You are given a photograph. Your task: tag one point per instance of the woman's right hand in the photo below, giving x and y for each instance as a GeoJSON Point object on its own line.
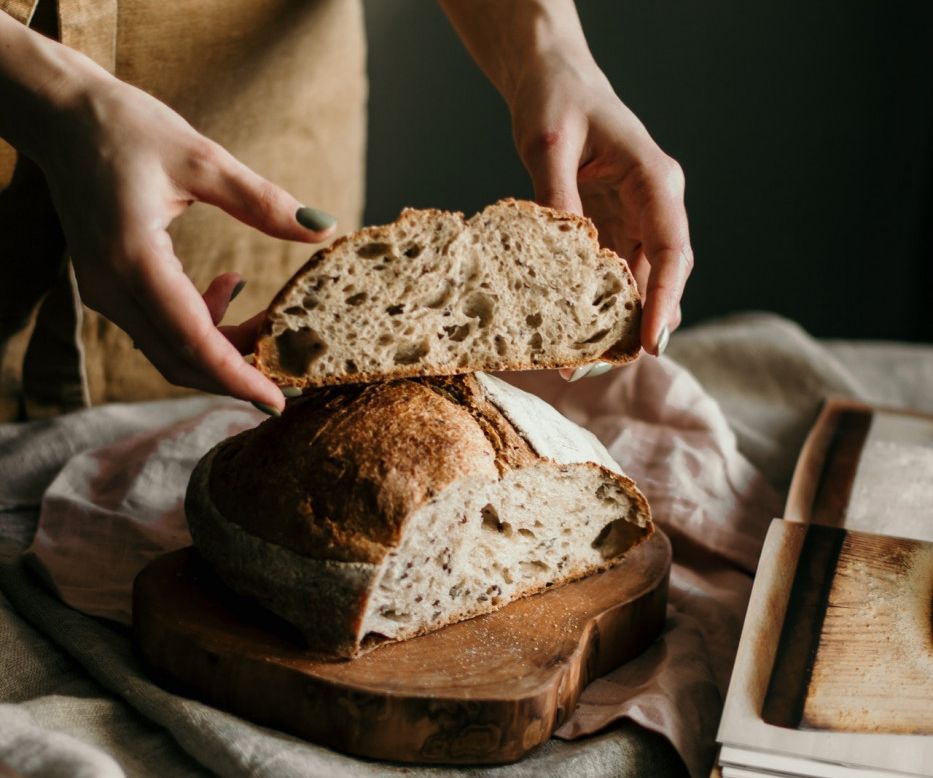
{"type": "Point", "coordinates": [120, 166]}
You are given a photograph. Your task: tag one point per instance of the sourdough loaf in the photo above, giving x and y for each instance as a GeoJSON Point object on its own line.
{"type": "Point", "coordinates": [517, 286]}
{"type": "Point", "coordinates": [371, 513]}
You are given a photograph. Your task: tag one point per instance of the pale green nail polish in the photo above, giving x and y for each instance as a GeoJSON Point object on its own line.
{"type": "Point", "coordinates": [580, 372]}
{"type": "Point", "coordinates": [291, 391]}
{"type": "Point", "coordinates": [314, 218]}
{"type": "Point", "coordinates": [664, 337]}
{"type": "Point", "coordinates": [268, 409]}
{"type": "Point", "coordinates": [599, 368]}
{"type": "Point", "coordinates": [237, 289]}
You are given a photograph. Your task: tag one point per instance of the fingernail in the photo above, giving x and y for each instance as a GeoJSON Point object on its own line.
{"type": "Point", "coordinates": [291, 391]}
{"type": "Point", "coordinates": [598, 368]}
{"type": "Point", "coordinates": [314, 218]}
{"type": "Point", "coordinates": [664, 337]}
{"type": "Point", "coordinates": [237, 289]}
{"type": "Point", "coordinates": [581, 372]}
{"type": "Point", "coordinates": [250, 359]}
{"type": "Point", "coordinates": [268, 409]}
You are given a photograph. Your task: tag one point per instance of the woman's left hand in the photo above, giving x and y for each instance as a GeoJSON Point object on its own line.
{"type": "Point", "coordinates": [588, 153]}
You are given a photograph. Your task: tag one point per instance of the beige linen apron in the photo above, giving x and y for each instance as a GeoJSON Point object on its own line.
{"type": "Point", "coordinates": [280, 83]}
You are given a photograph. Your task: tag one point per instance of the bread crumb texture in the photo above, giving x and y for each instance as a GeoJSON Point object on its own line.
{"type": "Point", "coordinates": [517, 286]}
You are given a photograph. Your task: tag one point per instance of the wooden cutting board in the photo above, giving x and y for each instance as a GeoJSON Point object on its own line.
{"type": "Point", "coordinates": [486, 690]}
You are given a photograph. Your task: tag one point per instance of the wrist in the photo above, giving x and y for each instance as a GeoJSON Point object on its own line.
{"type": "Point", "coordinates": [43, 83]}
{"type": "Point", "coordinates": [514, 41]}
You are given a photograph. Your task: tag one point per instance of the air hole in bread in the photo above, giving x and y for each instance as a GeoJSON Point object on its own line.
{"type": "Point", "coordinates": [502, 346]}
{"type": "Point", "coordinates": [309, 303]}
{"type": "Point", "coordinates": [595, 337]}
{"type": "Point", "coordinates": [373, 250]}
{"type": "Point", "coordinates": [532, 568]}
{"type": "Point", "coordinates": [534, 320]}
{"type": "Point", "coordinates": [395, 310]}
{"type": "Point", "coordinates": [480, 306]}
{"type": "Point", "coordinates": [440, 298]}
{"type": "Point", "coordinates": [295, 310]}
{"type": "Point", "coordinates": [629, 305]}
{"type": "Point", "coordinates": [564, 227]}
{"type": "Point", "coordinates": [351, 366]}
{"type": "Point", "coordinates": [536, 341]}
{"type": "Point", "coordinates": [525, 532]}
{"type": "Point", "coordinates": [357, 299]}
{"type": "Point", "coordinates": [615, 537]}
{"type": "Point", "coordinates": [384, 339]}
{"type": "Point", "coordinates": [299, 349]}
{"type": "Point", "coordinates": [413, 251]}
{"type": "Point", "coordinates": [609, 285]}
{"type": "Point", "coordinates": [491, 521]}
{"type": "Point", "coordinates": [409, 353]}
{"type": "Point", "coordinates": [457, 332]}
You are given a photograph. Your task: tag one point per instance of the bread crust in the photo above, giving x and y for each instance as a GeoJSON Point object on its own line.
{"type": "Point", "coordinates": [624, 350]}
{"type": "Point", "coordinates": [300, 512]}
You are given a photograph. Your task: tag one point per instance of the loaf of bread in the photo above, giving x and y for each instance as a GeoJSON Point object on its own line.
{"type": "Point", "coordinates": [373, 513]}
{"type": "Point", "coordinates": [515, 287]}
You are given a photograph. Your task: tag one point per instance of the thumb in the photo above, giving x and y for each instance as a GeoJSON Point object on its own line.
{"type": "Point", "coordinates": [553, 162]}
{"type": "Point", "coordinates": [247, 196]}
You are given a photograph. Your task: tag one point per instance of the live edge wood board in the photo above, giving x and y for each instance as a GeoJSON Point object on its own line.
{"type": "Point", "coordinates": [486, 690]}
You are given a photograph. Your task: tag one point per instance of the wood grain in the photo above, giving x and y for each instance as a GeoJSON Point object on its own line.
{"type": "Point", "coordinates": [856, 647]}
{"type": "Point", "coordinates": [487, 690]}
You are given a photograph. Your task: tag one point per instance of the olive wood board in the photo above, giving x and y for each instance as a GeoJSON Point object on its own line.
{"type": "Point", "coordinates": [486, 690]}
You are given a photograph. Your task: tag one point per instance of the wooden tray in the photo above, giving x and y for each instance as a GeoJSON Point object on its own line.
{"type": "Point", "coordinates": [486, 690]}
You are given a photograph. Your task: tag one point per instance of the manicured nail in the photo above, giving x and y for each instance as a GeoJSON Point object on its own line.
{"type": "Point", "coordinates": [268, 409]}
{"type": "Point", "coordinates": [237, 289]}
{"type": "Point", "coordinates": [250, 359]}
{"type": "Point", "coordinates": [664, 337]}
{"type": "Point", "coordinates": [291, 391]}
{"type": "Point", "coordinates": [314, 218]}
{"type": "Point", "coordinates": [581, 372]}
{"type": "Point", "coordinates": [598, 368]}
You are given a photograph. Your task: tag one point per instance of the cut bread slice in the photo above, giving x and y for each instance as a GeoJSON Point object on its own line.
{"type": "Point", "coordinates": [515, 287]}
{"type": "Point", "coordinates": [374, 513]}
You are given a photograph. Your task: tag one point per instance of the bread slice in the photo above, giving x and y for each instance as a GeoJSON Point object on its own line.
{"type": "Point", "coordinates": [515, 287]}
{"type": "Point", "coordinates": [378, 512]}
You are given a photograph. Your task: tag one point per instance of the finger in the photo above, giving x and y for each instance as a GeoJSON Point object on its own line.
{"type": "Point", "coordinates": [221, 292]}
{"type": "Point", "coordinates": [224, 181]}
{"type": "Point", "coordinates": [243, 336]}
{"type": "Point", "coordinates": [669, 271]}
{"type": "Point", "coordinates": [666, 243]}
{"type": "Point", "coordinates": [133, 320]}
{"type": "Point", "coordinates": [553, 160]}
{"type": "Point", "coordinates": [174, 306]}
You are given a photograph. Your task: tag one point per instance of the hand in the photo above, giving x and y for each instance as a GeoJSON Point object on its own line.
{"type": "Point", "coordinates": [588, 153]}
{"type": "Point", "coordinates": [121, 167]}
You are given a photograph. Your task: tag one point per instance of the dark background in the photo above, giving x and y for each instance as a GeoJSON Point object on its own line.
{"type": "Point", "coordinates": [805, 130]}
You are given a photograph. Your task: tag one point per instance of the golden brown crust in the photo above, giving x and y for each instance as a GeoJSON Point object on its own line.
{"type": "Point", "coordinates": [342, 469]}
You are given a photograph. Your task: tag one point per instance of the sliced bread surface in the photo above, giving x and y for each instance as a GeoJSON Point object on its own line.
{"type": "Point", "coordinates": [374, 513]}
{"type": "Point", "coordinates": [517, 286]}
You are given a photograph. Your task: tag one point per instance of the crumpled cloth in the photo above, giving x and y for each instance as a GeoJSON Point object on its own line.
{"type": "Point", "coordinates": [114, 508]}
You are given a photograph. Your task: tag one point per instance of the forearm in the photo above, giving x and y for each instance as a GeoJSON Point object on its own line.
{"type": "Point", "coordinates": [508, 37]}
{"type": "Point", "coordinates": [40, 80]}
